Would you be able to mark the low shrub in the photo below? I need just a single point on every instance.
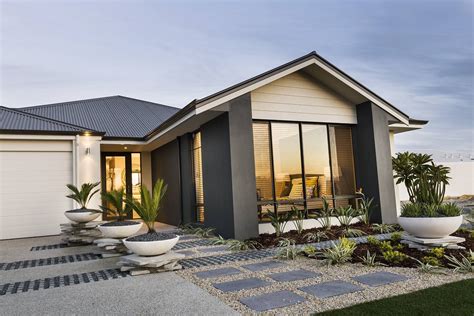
(396, 237)
(369, 260)
(289, 250)
(394, 256)
(310, 251)
(463, 265)
(315, 237)
(383, 228)
(371, 240)
(385, 246)
(449, 209)
(433, 261)
(437, 252)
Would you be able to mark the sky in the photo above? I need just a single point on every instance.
(419, 55)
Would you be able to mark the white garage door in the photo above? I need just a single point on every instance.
(33, 187)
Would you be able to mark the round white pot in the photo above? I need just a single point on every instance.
(81, 217)
(151, 248)
(120, 231)
(430, 227)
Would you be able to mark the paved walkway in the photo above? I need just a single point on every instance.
(163, 293)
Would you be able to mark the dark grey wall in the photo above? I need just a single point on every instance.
(373, 160)
(217, 176)
(229, 172)
(165, 164)
(188, 198)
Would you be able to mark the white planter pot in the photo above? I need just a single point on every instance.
(82, 217)
(430, 227)
(120, 231)
(151, 248)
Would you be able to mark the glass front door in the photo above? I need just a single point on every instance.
(122, 171)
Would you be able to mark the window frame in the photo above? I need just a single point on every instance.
(333, 197)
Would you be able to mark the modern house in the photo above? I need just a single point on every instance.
(288, 137)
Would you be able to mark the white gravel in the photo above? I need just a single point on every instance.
(416, 281)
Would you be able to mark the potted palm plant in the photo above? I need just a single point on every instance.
(114, 206)
(82, 196)
(152, 243)
(425, 215)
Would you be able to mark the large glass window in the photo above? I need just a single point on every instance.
(342, 159)
(198, 184)
(299, 164)
(316, 165)
(287, 165)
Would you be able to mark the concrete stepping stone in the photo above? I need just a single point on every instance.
(217, 273)
(294, 275)
(214, 249)
(332, 288)
(263, 265)
(379, 278)
(271, 300)
(243, 284)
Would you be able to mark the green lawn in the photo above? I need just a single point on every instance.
(450, 299)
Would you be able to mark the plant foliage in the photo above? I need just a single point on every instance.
(289, 250)
(324, 216)
(425, 181)
(345, 216)
(83, 195)
(365, 208)
(430, 210)
(116, 199)
(463, 265)
(149, 206)
(279, 221)
(298, 218)
(340, 252)
(383, 228)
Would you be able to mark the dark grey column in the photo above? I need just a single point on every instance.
(188, 199)
(374, 162)
(229, 172)
(165, 165)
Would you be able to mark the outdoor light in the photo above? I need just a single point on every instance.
(88, 151)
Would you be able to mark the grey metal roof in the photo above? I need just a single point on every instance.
(17, 121)
(117, 116)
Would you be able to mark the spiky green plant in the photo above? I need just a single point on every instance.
(149, 206)
(340, 252)
(464, 265)
(219, 240)
(383, 228)
(324, 216)
(116, 199)
(289, 250)
(369, 260)
(427, 267)
(239, 245)
(83, 195)
(279, 221)
(365, 208)
(298, 218)
(425, 181)
(315, 236)
(345, 216)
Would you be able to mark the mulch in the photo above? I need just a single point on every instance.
(271, 240)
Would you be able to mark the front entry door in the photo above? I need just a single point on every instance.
(116, 174)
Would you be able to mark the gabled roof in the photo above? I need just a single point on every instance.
(117, 116)
(311, 59)
(198, 106)
(14, 121)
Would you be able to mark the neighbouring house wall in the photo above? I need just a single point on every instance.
(188, 195)
(397, 187)
(165, 165)
(229, 172)
(374, 171)
(88, 165)
(298, 97)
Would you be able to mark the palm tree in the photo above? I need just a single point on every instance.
(115, 199)
(149, 206)
(83, 195)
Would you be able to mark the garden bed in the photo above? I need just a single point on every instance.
(335, 232)
(361, 251)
